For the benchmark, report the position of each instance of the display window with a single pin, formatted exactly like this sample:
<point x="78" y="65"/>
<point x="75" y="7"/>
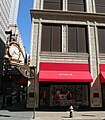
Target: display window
<point x="64" y="95"/>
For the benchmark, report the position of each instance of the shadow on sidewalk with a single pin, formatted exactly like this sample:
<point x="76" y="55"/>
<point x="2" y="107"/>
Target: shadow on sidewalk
<point x="19" y="106"/>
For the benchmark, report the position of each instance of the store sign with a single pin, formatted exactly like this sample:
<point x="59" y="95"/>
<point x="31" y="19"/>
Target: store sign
<point x="62" y="74"/>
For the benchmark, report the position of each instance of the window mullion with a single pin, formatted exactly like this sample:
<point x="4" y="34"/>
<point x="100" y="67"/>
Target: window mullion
<point x="51" y="38"/>
<point x="77" y="38"/>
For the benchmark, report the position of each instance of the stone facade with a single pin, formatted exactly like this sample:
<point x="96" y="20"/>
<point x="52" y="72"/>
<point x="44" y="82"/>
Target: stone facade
<point x="91" y="20"/>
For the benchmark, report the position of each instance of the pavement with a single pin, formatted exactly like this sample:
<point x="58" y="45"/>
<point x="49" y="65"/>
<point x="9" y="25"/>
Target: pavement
<point x="19" y="112"/>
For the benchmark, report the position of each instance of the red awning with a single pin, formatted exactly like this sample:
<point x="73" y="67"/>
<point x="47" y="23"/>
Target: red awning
<point x="102" y="77"/>
<point x="102" y="73"/>
<point x="64" y="76"/>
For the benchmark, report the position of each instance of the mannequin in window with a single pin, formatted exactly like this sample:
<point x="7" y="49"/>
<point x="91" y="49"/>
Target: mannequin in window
<point x="69" y="95"/>
<point x="57" y="98"/>
<point x="44" y="97"/>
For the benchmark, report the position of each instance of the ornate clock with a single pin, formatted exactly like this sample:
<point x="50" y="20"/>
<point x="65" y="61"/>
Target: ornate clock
<point x="14" y="51"/>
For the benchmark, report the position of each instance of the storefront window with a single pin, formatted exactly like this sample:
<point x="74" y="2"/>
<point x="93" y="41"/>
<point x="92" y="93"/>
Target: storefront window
<point x="64" y="95"/>
<point x="44" y="96"/>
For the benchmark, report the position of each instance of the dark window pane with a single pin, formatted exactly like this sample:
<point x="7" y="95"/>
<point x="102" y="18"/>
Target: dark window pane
<point x="56" y="38"/>
<point x="82" y="42"/>
<point x="100" y="2"/>
<point x="77" y="39"/>
<point x="76" y="5"/>
<point x="53" y="4"/>
<point x="51" y="38"/>
<point x="101" y="38"/>
<point x="76" y="1"/>
<point x="100" y="6"/>
<point x="46" y="38"/>
<point x="72" y="47"/>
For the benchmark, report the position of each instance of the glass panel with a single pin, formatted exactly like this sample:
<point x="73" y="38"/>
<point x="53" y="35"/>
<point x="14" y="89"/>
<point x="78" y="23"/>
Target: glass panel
<point x="46" y="38"/>
<point x="82" y="39"/>
<point x="56" y="39"/>
<point x="100" y="2"/>
<point x="51" y="38"/>
<point x="44" y="96"/>
<point x="72" y="39"/>
<point x="101" y="36"/>
<point x="76" y="5"/>
<point x="100" y="6"/>
<point x="75" y="1"/>
<point x="77" y="39"/>
<point x="65" y="95"/>
<point x="53" y="4"/>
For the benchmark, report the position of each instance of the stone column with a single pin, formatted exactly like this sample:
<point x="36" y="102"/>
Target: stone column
<point x="37" y="4"/>
<point x="89" y="6"/>
<point x="33" y="62"/>
<point x="64" y="5"/>
<point x="64" y="38"/>
<point x="95" y="88"/>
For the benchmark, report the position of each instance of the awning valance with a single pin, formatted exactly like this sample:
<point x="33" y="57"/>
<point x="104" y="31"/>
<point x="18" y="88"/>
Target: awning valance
<point x="64" y="76"/>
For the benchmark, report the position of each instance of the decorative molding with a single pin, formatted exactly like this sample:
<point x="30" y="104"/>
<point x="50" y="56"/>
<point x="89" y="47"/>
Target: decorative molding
<point x="67" y="15"/>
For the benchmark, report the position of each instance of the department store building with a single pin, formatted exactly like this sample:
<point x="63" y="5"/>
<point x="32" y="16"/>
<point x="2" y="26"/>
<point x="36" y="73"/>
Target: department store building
<point x="68" y="51"/>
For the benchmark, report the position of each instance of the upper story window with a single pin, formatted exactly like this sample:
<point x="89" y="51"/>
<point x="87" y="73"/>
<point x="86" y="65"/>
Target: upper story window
<point x="76" y="5"/>
<point x="53" y="4"/>
<point x="100" y="6"/>
<point x="77" y="39"/>
<point x="51" y="38"/>
<point x="101" y="39"/>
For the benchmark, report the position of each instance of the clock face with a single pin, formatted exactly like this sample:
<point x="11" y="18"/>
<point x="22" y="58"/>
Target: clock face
<point x="14" y="51"/>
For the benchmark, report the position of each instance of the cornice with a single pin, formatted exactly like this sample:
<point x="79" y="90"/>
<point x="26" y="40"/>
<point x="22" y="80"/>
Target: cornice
<point x="67" y="15"/>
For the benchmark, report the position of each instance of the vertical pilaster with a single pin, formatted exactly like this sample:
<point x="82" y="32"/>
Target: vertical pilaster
<point x="64" y="38"/>
<point x="89" y="6"/>
<point x="33" y="62"/>
<point x="95" y="89"/>
<point x="64" y="5"/>
<point x="33" y="45"/>
<point x="37" y="4"/>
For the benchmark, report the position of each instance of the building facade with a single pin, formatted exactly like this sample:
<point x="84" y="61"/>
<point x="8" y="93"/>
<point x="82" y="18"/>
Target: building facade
<point x="67" y="49"/>
<point x="14" y="12"/>
<point x="8" y="22"/>
<point x="9" y="13"/>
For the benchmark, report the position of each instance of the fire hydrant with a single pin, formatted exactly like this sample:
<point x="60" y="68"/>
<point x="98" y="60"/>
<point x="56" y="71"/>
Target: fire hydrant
<point x="71" y="111"/>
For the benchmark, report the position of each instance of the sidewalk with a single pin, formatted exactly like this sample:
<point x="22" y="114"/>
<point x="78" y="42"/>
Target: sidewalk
<point x="40" y="115"/>
<point x="19" y="112"/>
<point x="90" y="115"/>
